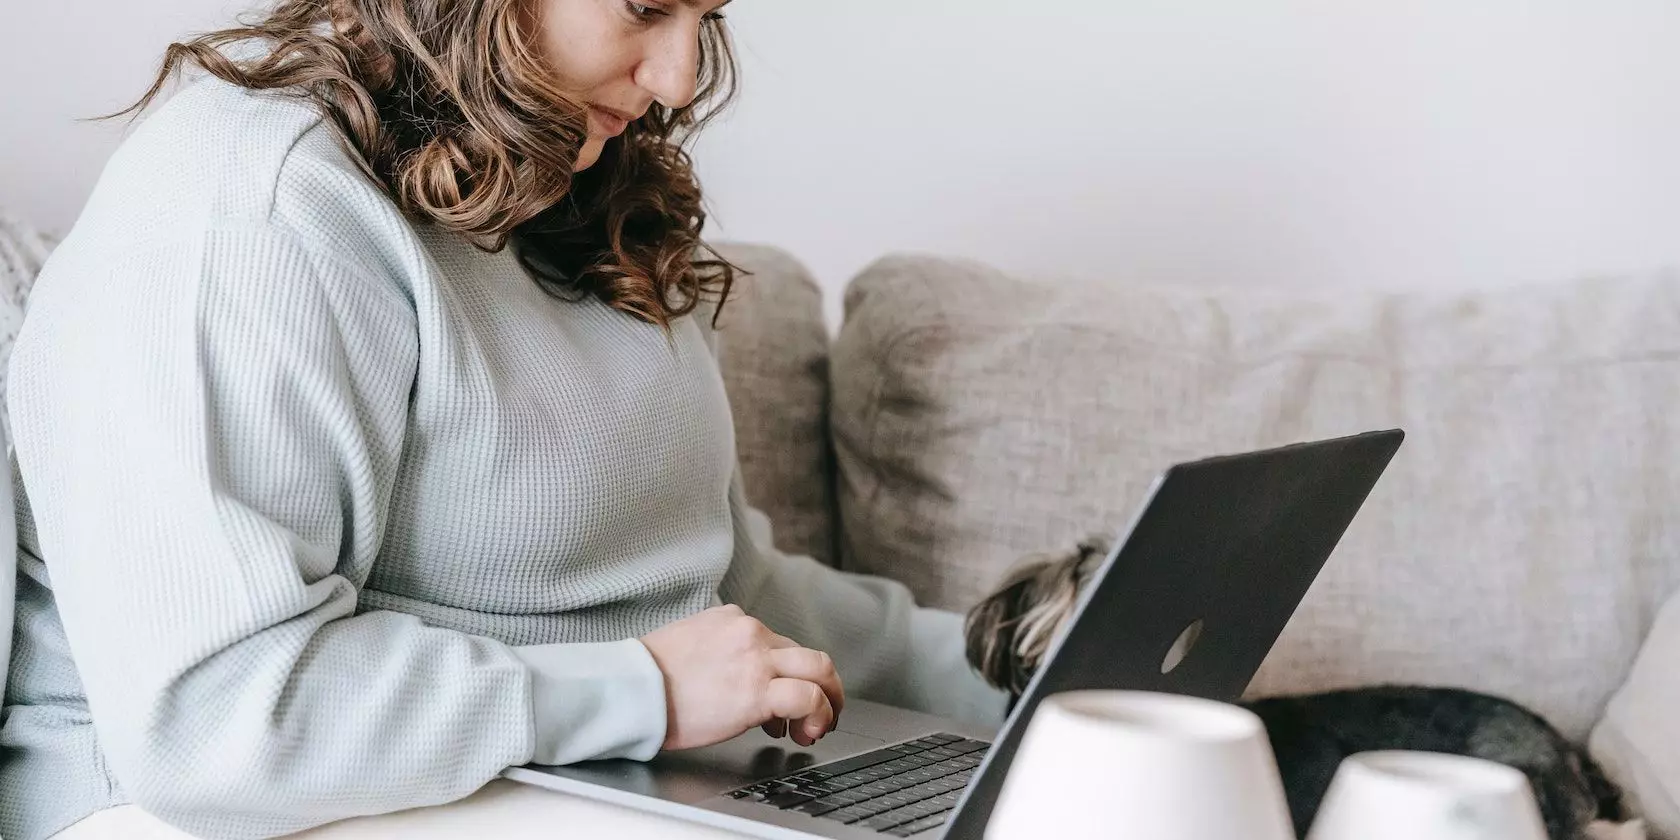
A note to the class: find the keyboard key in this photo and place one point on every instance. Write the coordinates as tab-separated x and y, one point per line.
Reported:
858	762
788	799
918	826
899	816
848	815
860	811
882	822
950	783
947	800
926	790
921	809
945	738
968	746
818	807
898	800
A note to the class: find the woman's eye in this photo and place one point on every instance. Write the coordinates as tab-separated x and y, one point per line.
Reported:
646	12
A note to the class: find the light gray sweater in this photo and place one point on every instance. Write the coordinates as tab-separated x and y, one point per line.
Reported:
339	515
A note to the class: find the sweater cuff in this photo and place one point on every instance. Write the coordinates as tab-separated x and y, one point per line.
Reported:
940	680
591	701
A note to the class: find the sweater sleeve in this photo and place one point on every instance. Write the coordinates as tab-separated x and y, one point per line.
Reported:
886	648
209	431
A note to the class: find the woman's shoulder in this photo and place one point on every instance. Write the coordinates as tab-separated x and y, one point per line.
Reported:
213	149
217	155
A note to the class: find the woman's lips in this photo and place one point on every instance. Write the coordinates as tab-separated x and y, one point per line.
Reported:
610	123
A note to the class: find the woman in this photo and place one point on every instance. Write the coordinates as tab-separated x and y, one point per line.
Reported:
372	440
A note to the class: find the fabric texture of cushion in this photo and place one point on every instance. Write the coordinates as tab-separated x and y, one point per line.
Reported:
774	355
23	250
1638	741
1521	542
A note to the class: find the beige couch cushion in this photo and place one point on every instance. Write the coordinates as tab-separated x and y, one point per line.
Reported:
774	354
1520	543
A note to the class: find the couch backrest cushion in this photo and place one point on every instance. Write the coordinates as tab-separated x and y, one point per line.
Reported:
1520	543
774	354
23	250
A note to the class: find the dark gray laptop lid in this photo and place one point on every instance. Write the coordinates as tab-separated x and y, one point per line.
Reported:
1229	544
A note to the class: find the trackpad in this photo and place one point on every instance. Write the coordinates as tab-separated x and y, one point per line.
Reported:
693	776
756	756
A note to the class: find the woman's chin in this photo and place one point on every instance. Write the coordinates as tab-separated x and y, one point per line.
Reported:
589	155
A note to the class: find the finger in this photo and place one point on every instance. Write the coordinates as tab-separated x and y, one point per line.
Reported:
805	733
795	700
812	666
775	727
836	692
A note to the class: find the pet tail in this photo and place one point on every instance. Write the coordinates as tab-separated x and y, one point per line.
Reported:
1613	822
1605	792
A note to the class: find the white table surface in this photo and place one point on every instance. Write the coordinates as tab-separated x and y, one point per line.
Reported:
511	811
502	810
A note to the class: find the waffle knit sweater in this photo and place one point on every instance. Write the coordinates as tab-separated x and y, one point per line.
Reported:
340	515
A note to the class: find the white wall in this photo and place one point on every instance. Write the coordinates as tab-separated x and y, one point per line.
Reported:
62	62
1426	142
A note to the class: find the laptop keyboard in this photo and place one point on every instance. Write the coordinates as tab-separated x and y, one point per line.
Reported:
901	790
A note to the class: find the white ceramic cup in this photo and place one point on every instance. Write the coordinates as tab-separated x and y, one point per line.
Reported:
1400	795
1135	764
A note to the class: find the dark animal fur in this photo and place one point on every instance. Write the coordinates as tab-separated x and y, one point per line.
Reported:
1311	734
1009	632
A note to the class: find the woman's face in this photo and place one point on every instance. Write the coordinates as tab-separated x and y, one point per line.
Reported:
620	58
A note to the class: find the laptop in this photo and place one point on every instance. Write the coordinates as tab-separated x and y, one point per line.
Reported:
1226	546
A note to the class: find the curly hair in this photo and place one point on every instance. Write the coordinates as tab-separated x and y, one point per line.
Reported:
451	110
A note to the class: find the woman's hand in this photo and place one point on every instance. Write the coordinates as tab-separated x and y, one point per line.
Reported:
725	673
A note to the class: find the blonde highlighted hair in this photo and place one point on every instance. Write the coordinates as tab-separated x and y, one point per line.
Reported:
449	107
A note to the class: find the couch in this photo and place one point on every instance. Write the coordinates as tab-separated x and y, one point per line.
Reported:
1526	541
22	250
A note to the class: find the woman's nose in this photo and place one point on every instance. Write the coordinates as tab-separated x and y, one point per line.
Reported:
671	70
